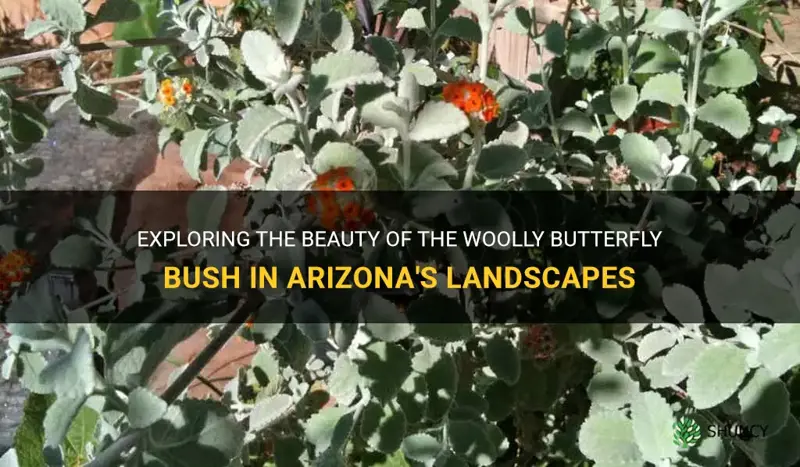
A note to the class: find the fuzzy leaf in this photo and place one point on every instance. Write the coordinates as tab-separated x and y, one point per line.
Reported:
339	70
608	437
727	112
652	427
716	375
624	98
732	68
666	88
438	120
642	156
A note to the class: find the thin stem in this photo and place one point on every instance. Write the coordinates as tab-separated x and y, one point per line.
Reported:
63	90
406	162
545	82
244	309
50	54
301	121
472	163
624	36
210	385
694	85
483	54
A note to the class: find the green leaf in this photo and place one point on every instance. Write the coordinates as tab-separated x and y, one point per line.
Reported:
721	9
413	397
38	27
780	348
732	68
583	47
652	427
438	120
343	382
145	408
191	424
268	410
518	21
608	437
442	380
642	157
624	98
193	151
95	102
75	252
653	343
680	360
335	154
337	29
780	449
327	427
461	27
498	160
29	435
384	320
503	359
654	371
311	320
671	20
68	13
553	39
727	112
263	123
655	56
764	400
288	15
81	433
611	388
716	375
383	427
683	303
339	70
264	58
666	88
412	19
72	375
384	367
57	422
606	351
470	440
422	447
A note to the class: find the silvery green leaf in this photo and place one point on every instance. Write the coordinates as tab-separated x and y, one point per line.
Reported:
716	375
68	14
438	120
264	58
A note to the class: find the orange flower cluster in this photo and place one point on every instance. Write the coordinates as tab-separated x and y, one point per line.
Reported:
539	342
15	268
336	202
170	94
473	99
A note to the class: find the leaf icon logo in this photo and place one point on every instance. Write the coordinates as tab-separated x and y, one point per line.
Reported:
685	432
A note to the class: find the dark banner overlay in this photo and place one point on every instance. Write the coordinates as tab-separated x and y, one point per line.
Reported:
392	257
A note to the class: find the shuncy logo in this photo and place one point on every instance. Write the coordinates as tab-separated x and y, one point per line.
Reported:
685	432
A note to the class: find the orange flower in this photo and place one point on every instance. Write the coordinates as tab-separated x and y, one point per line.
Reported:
186	86
18	259
472	98
344	184
168	100
774	135
166	84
